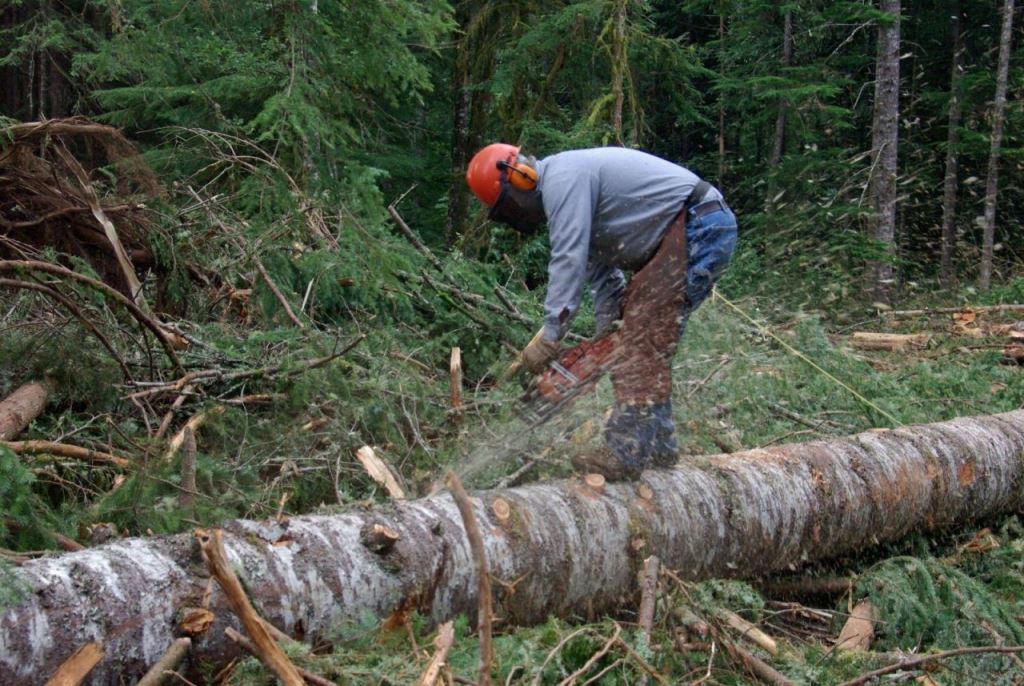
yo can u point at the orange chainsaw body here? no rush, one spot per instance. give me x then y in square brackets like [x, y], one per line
[578, 369]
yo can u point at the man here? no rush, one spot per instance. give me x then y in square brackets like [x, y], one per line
[611, 211]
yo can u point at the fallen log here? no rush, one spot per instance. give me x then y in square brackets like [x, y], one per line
[567, 546]
[21, 407]
[871, 340]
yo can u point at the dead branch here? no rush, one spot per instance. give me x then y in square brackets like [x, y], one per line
[21, 407]
[277, 293]
[71, 307]
[571, 679]
[73, 452]
[168, 663]
[476, 544]
[859, 629]
[1008, 307]
[186, 497]
[191, 426]
[250, 647]
[266, 649]
[922, 660]
[74, 670]
[219, 375]
[140, 316]
[442, 644]
[380, 472]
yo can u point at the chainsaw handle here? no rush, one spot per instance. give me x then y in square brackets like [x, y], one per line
[517, 364]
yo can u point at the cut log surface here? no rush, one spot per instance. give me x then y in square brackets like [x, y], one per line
[22, 406]
[737, 515]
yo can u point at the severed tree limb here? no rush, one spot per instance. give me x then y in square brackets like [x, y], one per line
[76, 312]
[277, 293]
[21, 407]
[167, 664]
[211, 375]
[442, 644]
[267, 650]
[756, 666]
[925, 659]
[144, 319]
[74, 669]
[250, 647]
[648, 600]
[192, 425]
[186, 498]
[476, 544]
[748, 631]
[859, 629]
[73, 452]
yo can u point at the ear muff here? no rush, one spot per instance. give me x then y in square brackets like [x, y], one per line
[520, 175]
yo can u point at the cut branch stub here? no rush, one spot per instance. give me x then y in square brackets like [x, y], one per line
[378, 538]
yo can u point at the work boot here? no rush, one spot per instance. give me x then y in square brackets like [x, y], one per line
[602, 461]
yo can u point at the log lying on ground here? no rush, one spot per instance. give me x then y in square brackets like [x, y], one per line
[566, 547]
[21, 407]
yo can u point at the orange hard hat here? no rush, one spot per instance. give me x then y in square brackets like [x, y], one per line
[485, 169]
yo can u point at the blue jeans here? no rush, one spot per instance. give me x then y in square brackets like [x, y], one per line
[659, 301]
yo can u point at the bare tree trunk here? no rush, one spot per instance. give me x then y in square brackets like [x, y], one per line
[21, 407]
[884, 148]
[620, 64]
[998, 118]
[779, 142]
[950, 183]
[740, 515]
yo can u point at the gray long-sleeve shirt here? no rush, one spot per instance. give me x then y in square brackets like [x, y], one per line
[607, 210]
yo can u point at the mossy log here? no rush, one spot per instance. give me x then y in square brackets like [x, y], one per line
[563, 547]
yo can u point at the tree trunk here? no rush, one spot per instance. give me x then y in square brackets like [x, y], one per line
[779, 141]
[998, 118]
[950, 182]
[884, 140]
[742, 515]
[21, 407]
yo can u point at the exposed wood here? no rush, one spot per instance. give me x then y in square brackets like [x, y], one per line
[163, 668]
[920, 661]
[517, 364]
[869, 340]
[266, 649]
[442, 644]
[859, 630]
[648, 600]
[380, 472]
[250, 647]
[483, 575]
[21, 407]
[73, 452]
[191, 426]
[748, 631]
[758, 511]
[455, 368]
[74, 669]
[379, 538]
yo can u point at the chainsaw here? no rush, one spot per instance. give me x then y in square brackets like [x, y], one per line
[574, 373]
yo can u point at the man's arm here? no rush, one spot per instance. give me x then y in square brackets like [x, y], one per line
[570, 201]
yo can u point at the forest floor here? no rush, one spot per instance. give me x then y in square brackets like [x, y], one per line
[740, 383]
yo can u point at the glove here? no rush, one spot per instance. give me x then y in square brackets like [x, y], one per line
[538, 353]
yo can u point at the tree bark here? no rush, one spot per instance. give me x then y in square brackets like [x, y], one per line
[21, 407]
[779, 140]
[568, 547]
[884, 142]
[950, 182]
[998, 119]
